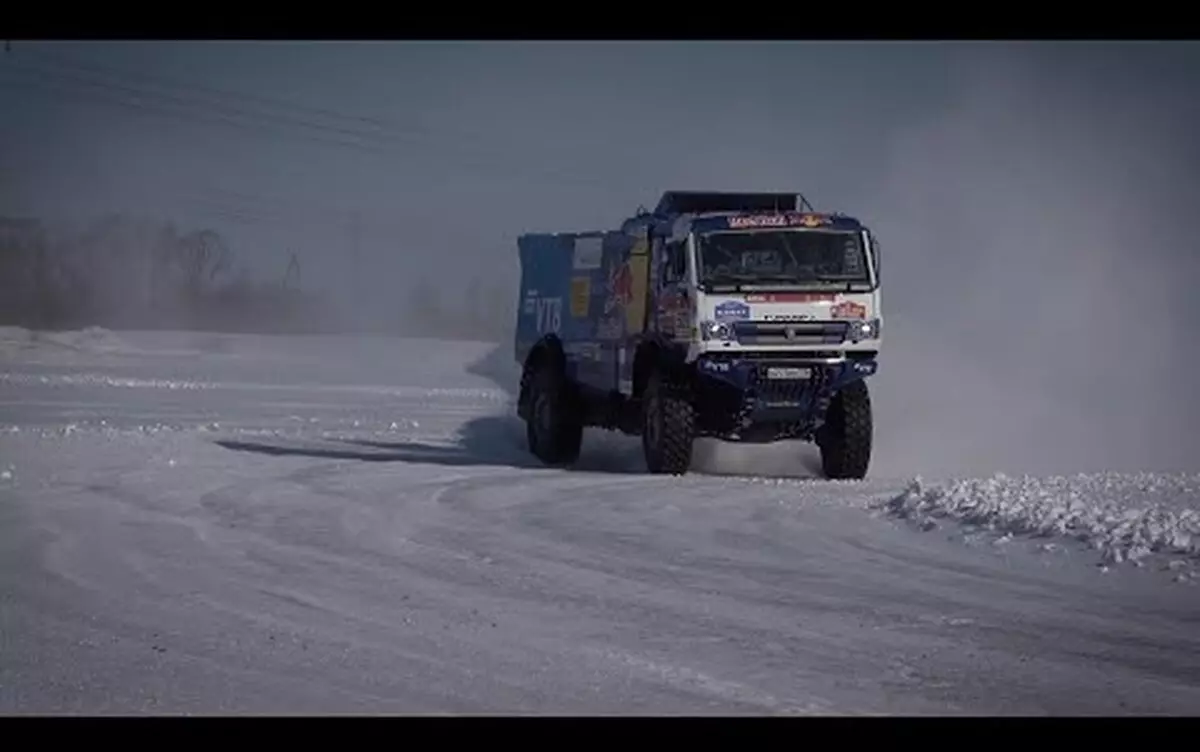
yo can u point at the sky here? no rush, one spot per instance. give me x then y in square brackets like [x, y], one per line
[1033, 200]
[482, 140]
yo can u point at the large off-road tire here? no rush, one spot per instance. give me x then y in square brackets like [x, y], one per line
[668, 427]
[845, 438]
[554, 429]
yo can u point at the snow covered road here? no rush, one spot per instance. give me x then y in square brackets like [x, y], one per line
[204, 523]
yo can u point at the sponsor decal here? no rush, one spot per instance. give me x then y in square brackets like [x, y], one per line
[581, 296]
[792, 297]
[759, 220]
[549, 315]
[530, 302]
[778, 220]
[589, 253]
[848, 310]
[732, 310]
[716, 366]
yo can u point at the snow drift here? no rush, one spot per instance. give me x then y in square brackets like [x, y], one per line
[93, 339]
[1127, 517]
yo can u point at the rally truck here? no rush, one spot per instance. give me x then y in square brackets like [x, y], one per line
[745, 317]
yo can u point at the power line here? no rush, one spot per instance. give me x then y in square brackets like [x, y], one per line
[275, 102]
[388, 128]
[144, 109]
[292, 121]
[97, 79]
[168, 101]
[278, 205]
[291, 211]
[192, 118]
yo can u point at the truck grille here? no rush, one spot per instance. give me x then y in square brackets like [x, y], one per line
[784, 392]
[803, 333]
[781, 393]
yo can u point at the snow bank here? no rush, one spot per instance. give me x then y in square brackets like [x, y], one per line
[14, 339]
[93, 339]
[1125, 517]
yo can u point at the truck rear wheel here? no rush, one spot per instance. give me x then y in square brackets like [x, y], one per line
[668, 427]
[845, 437]
[553, 429]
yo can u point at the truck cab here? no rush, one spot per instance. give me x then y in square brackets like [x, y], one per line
[743, 317]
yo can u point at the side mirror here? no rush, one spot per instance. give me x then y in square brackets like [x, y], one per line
[875, 258]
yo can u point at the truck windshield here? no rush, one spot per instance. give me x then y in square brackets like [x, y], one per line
[782, 258]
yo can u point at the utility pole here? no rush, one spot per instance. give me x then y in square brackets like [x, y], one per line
[293, 271]
[355, 253]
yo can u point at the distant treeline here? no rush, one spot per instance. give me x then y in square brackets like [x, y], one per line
[121, 272]
[471, 310]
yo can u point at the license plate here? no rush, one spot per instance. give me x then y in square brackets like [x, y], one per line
[779, 372]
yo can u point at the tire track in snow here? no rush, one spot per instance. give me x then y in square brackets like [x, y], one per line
[130, 382]
[434, 575]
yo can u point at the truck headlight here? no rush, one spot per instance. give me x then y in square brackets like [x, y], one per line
[710, 330]
[860, 330]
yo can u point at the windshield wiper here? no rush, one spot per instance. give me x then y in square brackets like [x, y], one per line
[789, 278]
[733, 281]
[739, 281]
[719, 278]
[850, 284]
[823, 281]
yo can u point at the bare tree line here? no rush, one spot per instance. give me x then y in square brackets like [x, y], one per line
[123, 272]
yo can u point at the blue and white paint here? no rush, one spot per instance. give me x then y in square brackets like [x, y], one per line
[731, 310]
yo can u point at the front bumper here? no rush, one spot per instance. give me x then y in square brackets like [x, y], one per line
[736, 390]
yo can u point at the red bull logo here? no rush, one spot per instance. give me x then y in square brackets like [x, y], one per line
[620, 286]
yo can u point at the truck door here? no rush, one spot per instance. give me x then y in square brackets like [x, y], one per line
[670, 320]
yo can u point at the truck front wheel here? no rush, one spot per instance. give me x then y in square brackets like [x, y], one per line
[553, 429]
[668, 427]
[845, 437]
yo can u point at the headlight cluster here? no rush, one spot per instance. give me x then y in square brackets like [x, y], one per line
[860, 330]
[710, 330]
